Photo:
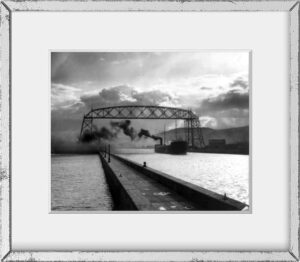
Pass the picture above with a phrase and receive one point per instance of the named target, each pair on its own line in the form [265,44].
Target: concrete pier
[138,187]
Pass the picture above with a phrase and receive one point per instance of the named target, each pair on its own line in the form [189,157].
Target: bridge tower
[87,125]
[194,135]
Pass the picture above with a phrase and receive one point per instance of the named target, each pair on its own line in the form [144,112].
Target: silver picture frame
[7,254]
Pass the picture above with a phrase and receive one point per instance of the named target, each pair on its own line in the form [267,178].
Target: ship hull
[175,148]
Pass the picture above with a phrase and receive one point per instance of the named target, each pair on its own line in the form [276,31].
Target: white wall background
[34,34]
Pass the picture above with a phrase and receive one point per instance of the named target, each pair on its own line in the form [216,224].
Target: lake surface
[78,182]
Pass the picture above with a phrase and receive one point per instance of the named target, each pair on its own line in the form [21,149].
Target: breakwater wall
[120,196]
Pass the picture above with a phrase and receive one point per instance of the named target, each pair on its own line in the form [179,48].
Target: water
[78,183]
[221,173]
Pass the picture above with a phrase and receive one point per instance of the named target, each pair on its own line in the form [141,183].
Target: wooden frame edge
[147,256]
[294,130]
[5,179]
[150,5]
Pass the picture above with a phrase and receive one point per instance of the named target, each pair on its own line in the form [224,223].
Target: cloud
[230,100]
[207,121]
[110,96]
[240,82]
[205,88]
[125,95]
[155,97]
[63,96]
[142,68]
[230,109]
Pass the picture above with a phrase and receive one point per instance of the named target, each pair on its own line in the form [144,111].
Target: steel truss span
[193,135]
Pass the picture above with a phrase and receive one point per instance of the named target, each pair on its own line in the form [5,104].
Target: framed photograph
[149,131]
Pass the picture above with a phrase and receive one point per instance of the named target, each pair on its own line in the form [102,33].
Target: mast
[176,129]
[164,134]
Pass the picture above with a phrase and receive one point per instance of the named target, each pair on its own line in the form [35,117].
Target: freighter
[176,147]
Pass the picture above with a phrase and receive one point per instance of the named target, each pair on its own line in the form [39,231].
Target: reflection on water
[222,173]
[78,183]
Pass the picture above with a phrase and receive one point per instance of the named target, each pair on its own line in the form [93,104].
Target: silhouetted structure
[147,112]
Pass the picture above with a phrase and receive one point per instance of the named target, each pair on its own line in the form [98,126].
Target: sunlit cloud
[63,96]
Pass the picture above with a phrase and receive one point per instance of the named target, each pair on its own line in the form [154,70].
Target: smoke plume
[125,126]
[109,134]
[97,134]
[146,133]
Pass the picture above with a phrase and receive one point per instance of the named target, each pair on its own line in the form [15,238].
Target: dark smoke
[125,126]
[116,127]
[107,134]
[146,133]
[103,133]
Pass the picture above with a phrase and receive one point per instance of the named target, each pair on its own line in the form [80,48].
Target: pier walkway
[135,187]
[148,193]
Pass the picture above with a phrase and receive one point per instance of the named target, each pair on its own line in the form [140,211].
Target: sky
[215,85]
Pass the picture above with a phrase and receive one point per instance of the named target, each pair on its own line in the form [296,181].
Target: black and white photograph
[150,131]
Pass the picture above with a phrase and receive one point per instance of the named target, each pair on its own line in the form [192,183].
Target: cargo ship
[176,147]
